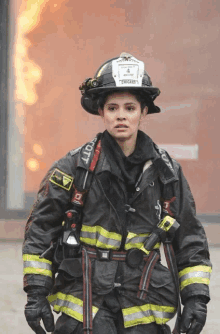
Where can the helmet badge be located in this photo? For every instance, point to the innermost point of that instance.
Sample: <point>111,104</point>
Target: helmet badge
<point>127,71</point>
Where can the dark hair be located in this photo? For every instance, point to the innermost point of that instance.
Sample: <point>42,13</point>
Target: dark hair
<point>142,97</point>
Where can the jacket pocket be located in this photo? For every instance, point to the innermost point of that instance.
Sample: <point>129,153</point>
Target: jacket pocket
<point>71,268</point>
<point>103,276</point>
<point>162,289</point>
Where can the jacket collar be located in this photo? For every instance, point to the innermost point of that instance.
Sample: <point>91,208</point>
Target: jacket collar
<point>162,161</point>
<point>165,166</point>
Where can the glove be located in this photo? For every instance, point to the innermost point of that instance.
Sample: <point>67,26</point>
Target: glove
<point>38,308</point>
<point>194,315</point>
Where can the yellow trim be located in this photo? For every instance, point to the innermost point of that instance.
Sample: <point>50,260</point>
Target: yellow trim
<point>38,271</point>
<point>205,269</point>
<point>30,257</point>
<point>68,311</point>
<point>52,298</point>
<point>166,219</point>
<point>146,307</point>
<point>101,231</point>
<point>59,295</point>
<point>132,235</point>
<point>97,243</point>
<point>147,319</point>
<point>66,175</point>
<point>139,245</point>
<point>140,321</point>
<point>193,280</point>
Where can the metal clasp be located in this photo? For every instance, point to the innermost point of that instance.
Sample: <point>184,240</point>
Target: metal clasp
<point>128,208</point>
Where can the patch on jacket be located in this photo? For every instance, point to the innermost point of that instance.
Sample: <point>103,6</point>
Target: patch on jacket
<point>61,179</point>
<point>167,205</point>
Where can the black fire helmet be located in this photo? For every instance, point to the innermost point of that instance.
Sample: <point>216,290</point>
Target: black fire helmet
<point>122,73</point>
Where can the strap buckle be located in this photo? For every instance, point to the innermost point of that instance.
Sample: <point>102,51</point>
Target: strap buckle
<point>103,254</point>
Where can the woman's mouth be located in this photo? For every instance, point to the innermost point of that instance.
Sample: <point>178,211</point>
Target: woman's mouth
<point>121,126</point>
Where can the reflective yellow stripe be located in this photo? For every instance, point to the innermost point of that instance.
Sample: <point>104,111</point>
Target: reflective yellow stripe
<point>206,269</point>
<point>33,264</point>
<point>146,314</point>
<point>38,271</point>
<point>194,280</point>
<point>70,305</point>
<point>100,237</point>
<point>30,257</point>
<point>196,274</point>
<point>137,241</point>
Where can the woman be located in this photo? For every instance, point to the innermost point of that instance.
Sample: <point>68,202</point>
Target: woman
<point>112,193</point>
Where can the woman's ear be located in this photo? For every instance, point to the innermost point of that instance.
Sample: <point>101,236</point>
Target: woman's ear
<point>144,113</point>
<point>101,112</point>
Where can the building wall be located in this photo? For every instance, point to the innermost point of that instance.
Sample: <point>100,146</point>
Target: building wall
<point>179,43</point>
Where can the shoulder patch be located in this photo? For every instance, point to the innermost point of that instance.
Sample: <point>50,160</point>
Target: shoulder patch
<point>61,179</point>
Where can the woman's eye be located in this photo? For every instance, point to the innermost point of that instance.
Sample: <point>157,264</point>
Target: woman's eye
<point>111,108</point>
<point>130,108</point>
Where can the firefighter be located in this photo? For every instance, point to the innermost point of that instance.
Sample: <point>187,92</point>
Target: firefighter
<point>92,241</point>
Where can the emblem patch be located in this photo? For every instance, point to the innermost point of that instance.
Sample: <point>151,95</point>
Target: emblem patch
<point>61,179</point>
<point>167,204</point>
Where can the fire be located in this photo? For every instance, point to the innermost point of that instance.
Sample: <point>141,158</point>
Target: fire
<point>37,149</point>
<point>27,72</point>
<point>33,164</point>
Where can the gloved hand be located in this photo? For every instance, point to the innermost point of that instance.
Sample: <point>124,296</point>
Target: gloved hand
<point>38,308</point>
<point>194,315</point>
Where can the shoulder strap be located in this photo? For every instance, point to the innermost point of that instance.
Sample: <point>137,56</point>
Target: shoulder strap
<point>87,161</point>
<point>164,164</point>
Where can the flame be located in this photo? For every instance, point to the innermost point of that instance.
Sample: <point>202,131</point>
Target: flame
<point>37,149</point>
<point>27,72</point>
<point>33,164</point>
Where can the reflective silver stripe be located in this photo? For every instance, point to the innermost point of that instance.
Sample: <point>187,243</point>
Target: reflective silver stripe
<point>195,274</point>
<point>90,235</point>
<point>148,313</point>
<point>70,305</point>
<point>137,315</point>
<point>100,238</point>
<point>74,307</point>
<point>36,264</point>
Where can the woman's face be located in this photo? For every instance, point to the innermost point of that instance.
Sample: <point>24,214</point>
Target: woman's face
<point>122,115</point>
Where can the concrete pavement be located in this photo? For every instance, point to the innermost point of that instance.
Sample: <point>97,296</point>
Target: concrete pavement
<point>13,298</point>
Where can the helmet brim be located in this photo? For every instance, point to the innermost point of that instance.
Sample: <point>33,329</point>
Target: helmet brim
<point>90,98</point>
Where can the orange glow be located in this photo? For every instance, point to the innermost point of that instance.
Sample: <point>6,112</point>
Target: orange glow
<point>33,164</point>
<point>37,149</point>
<point>27,72</point>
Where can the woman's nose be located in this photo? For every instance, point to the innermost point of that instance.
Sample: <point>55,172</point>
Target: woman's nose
<point>121,114</point>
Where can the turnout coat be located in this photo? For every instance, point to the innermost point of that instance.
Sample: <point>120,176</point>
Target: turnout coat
<point>110,222</point>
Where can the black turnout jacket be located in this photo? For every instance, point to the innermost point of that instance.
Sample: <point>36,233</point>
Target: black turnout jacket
<point>115,221</point>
